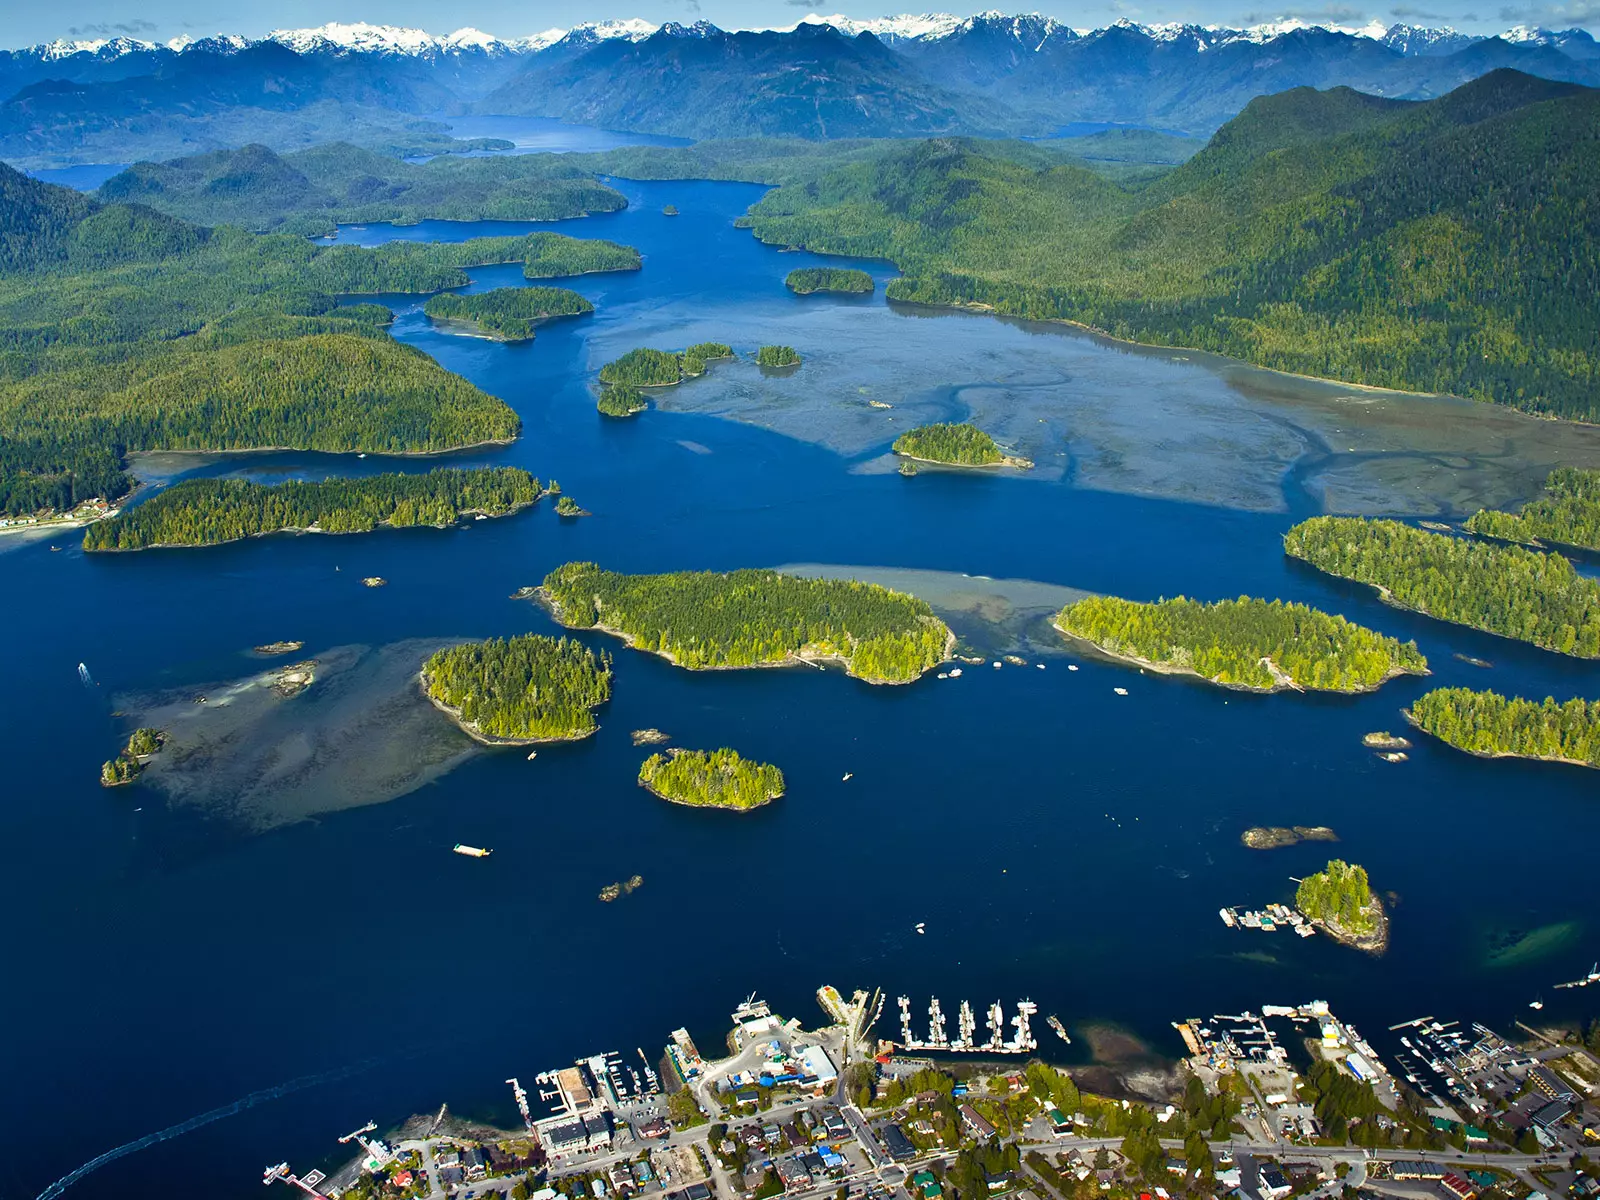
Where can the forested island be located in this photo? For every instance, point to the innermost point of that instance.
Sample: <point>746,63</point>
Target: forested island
<point>1246,643</point>
<point>552,256</point>
<point>1568,514</point>
<point>129,331</point>
<point>711,779</point>
<point>1341,901</point>
<point>125,768</point>
<point>705,620</point>
<point>519,690</point>
<point>1494,726</point>
<point>806,280</point>
<point>207,512</point>
<point>956,445</point>
<point>777,356</point>
<point>620,400</point>
<point>506,314</point>
<point>1506,590</point>
<point>645,367</point>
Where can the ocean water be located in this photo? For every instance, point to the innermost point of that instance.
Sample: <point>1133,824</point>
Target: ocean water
<point>1058,841</point>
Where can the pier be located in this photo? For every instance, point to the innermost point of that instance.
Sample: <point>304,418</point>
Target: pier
<point>965,1042</point>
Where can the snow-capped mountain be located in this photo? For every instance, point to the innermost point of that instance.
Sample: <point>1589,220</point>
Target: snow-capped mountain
<point>1413,40</point>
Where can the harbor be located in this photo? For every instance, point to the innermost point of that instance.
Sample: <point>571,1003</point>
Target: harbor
<point>966,1040</point>
<point>1268,920</point>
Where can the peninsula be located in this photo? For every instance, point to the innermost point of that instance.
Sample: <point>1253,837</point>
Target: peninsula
<point>621,400</point>
<point>521,690</point>
<point>1493,726</point>
<point>505,314</point>
<point>209,512</point>
<point>1506,590</point>
<point>954,446</point>
<point>555,256</point>
<point>706,620</point>
<point>806,280</point>
<point>1249,644</point>
<point>1568,514</point>
<point>1339,900</point>
<point>711,779</point>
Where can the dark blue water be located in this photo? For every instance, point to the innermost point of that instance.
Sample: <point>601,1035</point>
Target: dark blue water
<point>84,178</point>
<point>1058,841</point>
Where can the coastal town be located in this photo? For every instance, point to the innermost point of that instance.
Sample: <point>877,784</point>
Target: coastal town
<point>1286,1102</point>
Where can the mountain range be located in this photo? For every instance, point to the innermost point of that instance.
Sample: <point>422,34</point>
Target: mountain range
<point>831,77</point>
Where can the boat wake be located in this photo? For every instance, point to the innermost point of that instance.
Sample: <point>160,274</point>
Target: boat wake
<point>216,1114</point>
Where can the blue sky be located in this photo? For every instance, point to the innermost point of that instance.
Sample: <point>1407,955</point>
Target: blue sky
<point>23,24</point>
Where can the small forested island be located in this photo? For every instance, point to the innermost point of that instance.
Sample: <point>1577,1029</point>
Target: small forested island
<point>711,779</point>
<point>1247,643</point>
<point>1506,590</point>
<point>208,512</point>
<point>645,367</point>
<point>777,356</point>
<point>1494,726</point>
<point>670,210</point>
<point>954,445</point>
<point>506,314</point>
<point>807,280</point>
<point>621,400</point>
<point>125,768</point>
<point>704,620</point>
<point>1273,837</point>
<point>568,507</point>
<point>520,690</point>
<point>1384,740</point>
<point>1568,514</point>
<point>554,256</point>
<point>1339,899</point>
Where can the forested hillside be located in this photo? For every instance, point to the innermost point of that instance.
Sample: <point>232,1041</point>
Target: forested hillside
<point>309,191</point>
<point>1447,246</point>
<point>123,330</point>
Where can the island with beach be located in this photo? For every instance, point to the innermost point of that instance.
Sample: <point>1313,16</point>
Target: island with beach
<point>708,620</point>
<point>954,445</point>
<point>711,779</point>
<point>1249,644</point>
<point>519,691</point>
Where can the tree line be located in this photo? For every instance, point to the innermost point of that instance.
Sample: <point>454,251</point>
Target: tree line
<point>1506,590</point>
<point>962,445</point>
<point>1488,723</point>
<point>711,779</point>
<point>205,512</point>
<point>746,618</point>
<point>777,356</point>
<point>527,687</point>
<point>1233,641</point>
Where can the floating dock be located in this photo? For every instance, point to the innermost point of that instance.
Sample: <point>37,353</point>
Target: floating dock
<point>965,1042</point>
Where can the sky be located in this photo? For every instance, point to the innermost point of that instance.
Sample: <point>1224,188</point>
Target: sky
<point>24,24</point>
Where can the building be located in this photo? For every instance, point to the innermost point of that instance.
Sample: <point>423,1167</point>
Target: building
<point>794,1175</point>
<point>1405,1170</point>
<point>1273,1184</point>
<point>927,1184</point>
<point>477,1163</point>
<point>896,1143</point>
<point>1552,1085</point>
<point>1550,1115</point>
<point>973,1122</point>
<point>1453,1187</point>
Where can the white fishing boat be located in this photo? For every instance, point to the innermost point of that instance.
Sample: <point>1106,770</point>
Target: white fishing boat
<point>472,851</point>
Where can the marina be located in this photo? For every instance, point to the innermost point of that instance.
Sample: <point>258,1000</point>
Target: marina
<point>1022,1040</point>
<point>1268,920</point>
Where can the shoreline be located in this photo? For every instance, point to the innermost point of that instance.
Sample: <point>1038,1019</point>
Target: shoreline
<point>489,739</point>
<point>660,795</point>
<point>311,530</point>
<point>1374,943</point>
<point>1286,683</point>
<point>792,659</point>
<point>1493,754</point>
<point>1015,462</point>
<point>134,455</point>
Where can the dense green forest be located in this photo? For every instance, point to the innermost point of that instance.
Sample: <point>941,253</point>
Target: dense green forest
<point>525,688</point>
<point>645,367</point>
<point>962,445</point>
<point>1444,246</point>
<point>553,256</point>
<point>310,191</point>
<point>777,356</point>
<point>205,512</point>
<point>1507,590</point>
<point>1568,514</point>
<point>1340,895</point>
<point>703,619</point>
<point>711,779</point>
<point>806,280</point>
<point>124,330</point>
<point>510,314</point>
<point>1228,641</point>
<point>1486,723</point>
<point>621,400</point>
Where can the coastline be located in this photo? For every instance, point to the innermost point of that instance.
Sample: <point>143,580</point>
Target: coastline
<point>1374,943</point>
<point>488,739</point>
<point>1286,682</point>
<point>1015,462</point>
<point>793,659</point>
<point>654,791</point>
<point>311,529</point>
<point>1492,754</point>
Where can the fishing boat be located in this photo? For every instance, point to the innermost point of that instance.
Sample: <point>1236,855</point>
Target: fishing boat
<point>921,927</point>
<point>83,675</point>
<point>847,776</point>
<point>1536,1003</point>
<point>1061,1030</point>
<point>472,851</point>
<point>1120,691</point>
<point>1072,666</point>
<point>532,754</point>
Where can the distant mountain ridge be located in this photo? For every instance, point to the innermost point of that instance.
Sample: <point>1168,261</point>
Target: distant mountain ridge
<point>824,77</point>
